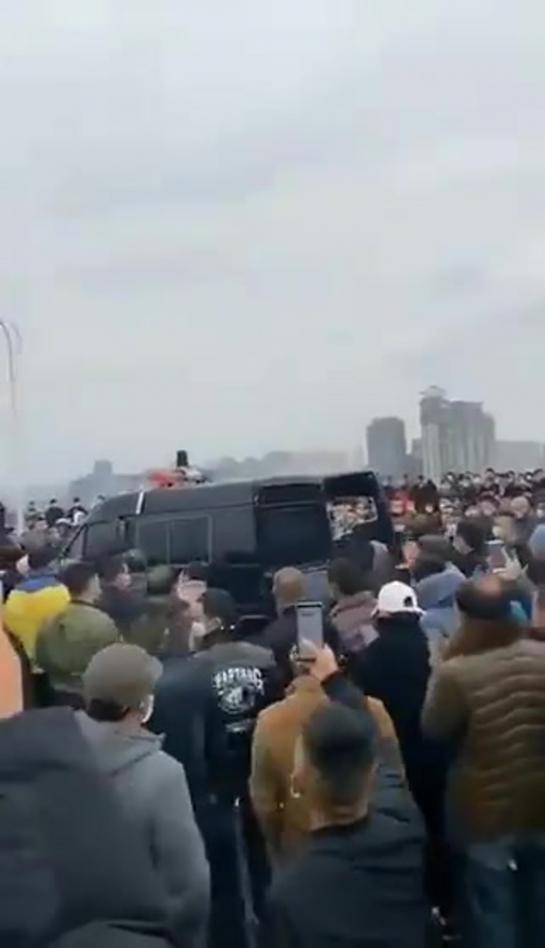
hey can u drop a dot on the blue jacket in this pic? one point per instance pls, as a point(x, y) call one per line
point(437, 596)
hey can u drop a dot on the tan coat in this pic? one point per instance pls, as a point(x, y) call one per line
point(494, 703)
point(284, 818)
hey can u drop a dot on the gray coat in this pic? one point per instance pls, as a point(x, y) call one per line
point(153, 790)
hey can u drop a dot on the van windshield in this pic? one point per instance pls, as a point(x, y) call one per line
point(288, 536)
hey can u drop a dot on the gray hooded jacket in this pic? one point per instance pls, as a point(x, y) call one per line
point(153, 791)
point(437, 596)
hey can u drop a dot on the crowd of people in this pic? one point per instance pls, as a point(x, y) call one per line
point(179, 777)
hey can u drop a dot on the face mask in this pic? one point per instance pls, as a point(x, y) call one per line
point(149, 709)
point(212, 625)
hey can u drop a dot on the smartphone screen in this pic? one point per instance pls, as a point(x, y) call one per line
point(497, 557)
point(310, 624)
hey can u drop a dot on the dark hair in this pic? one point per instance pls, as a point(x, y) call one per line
point(347, 576)
point(105, 710)
point(219, 604)
point(489, 498)
point(436, 546)
point(197, 571)
point(474, 534)
point(161, 580)
point(428, 565)
point(422, 525)
point(136, 561)
point(42, 557)
point(77, 576)
point(9, 556)
point(340, 744)
point(110, 567)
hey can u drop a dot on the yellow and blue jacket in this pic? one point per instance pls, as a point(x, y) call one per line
point(40, 597)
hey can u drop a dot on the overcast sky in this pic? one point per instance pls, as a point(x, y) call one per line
point(243, 225)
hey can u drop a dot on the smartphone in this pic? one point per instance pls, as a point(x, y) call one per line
point(310, 624)
point(497, 555)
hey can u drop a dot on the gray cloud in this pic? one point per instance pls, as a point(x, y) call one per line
point(242, 226)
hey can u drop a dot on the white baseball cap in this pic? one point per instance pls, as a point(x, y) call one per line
point(397, 597)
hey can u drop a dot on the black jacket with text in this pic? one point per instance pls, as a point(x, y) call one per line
point(206, 706)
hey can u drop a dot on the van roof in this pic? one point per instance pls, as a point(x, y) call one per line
point(222, 494)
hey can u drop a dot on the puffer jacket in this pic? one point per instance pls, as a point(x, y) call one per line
point(493, 704)
point(37, 599)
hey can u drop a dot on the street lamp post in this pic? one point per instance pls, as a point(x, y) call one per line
point(12, 338)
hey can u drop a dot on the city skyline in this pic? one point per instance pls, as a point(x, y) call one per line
point(391, 441)
point(455, 434)
point(530, 453)
point(262, 226)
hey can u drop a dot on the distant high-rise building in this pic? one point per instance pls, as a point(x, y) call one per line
point(434, 425)
point(471, 437)
point(387, 446)
point(456, 436)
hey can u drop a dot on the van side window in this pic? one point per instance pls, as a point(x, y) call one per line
point(102, 538)
point(189, 540)
point(151, 538)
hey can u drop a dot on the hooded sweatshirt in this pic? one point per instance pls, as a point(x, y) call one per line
point(437, 596)
point(153, 790)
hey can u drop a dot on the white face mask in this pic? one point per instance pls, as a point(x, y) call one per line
point(149, 710)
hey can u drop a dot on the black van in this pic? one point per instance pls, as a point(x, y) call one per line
point(243, 530)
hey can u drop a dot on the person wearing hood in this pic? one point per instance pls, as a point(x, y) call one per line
point(118, 688)
point(436, 585)
point(74, 872)
point(352, 613)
